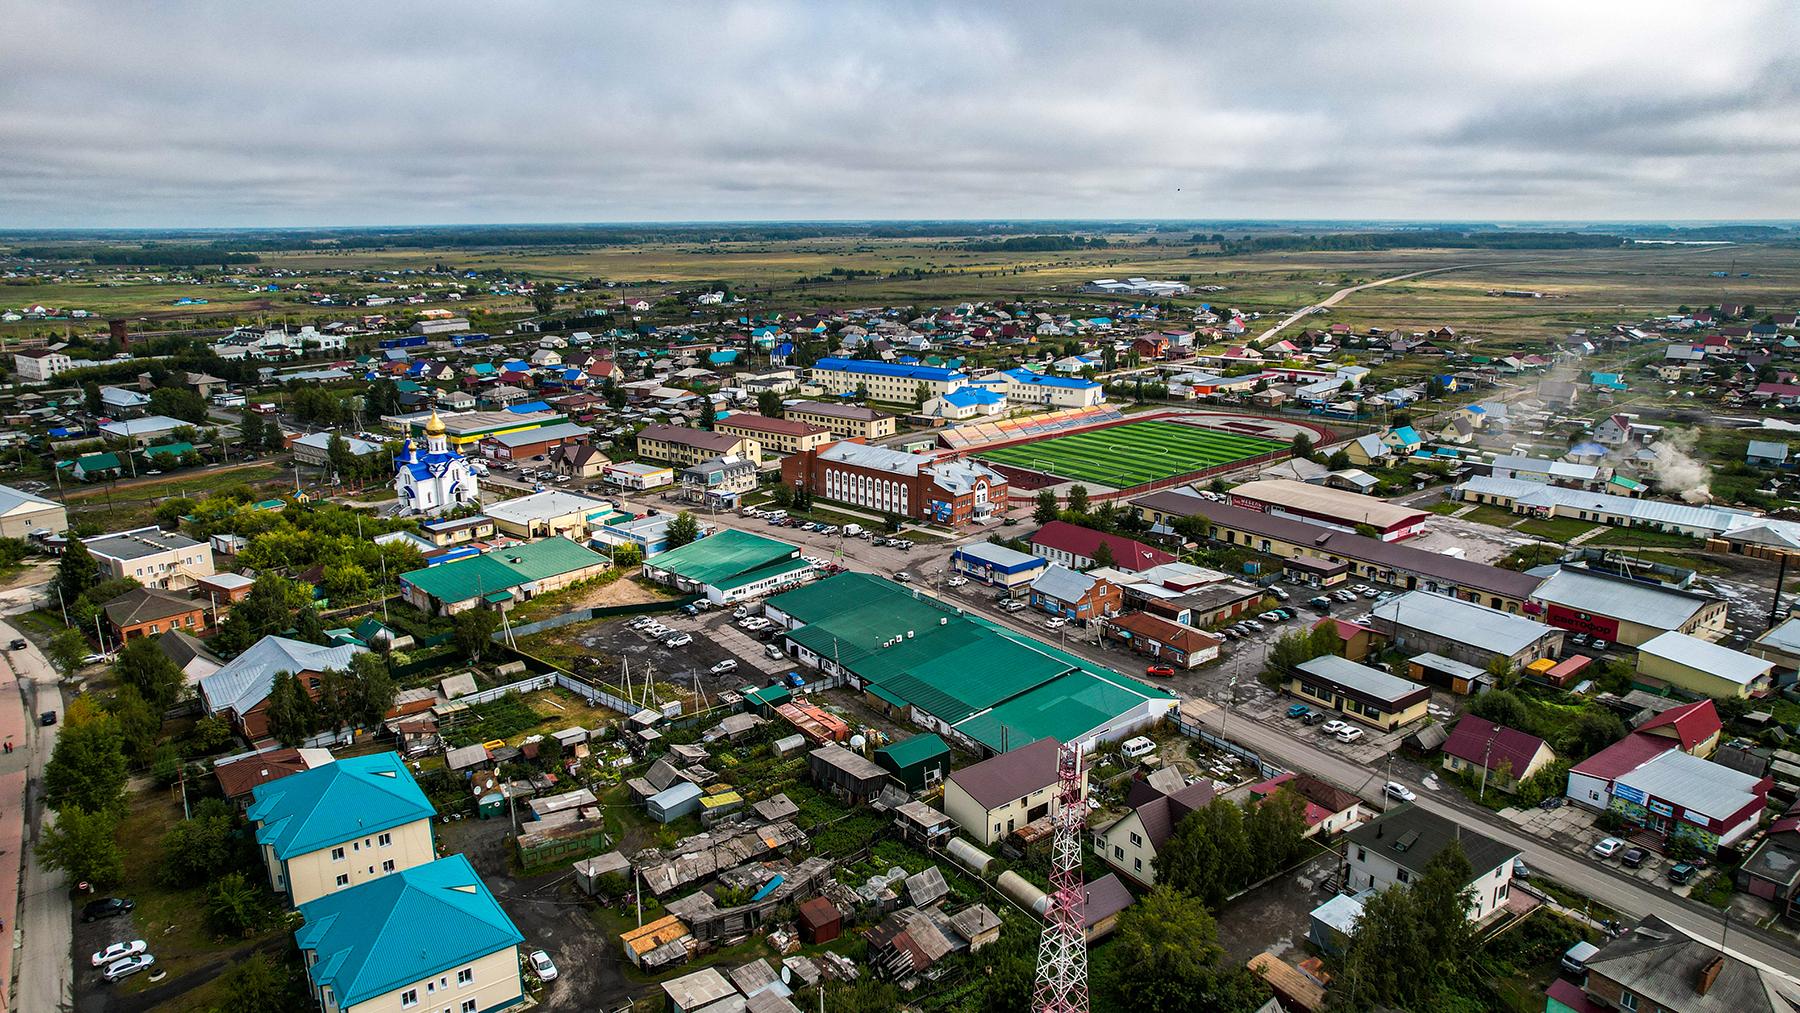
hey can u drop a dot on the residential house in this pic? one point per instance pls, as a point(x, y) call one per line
point(1130, 843)
point(240, 689)
point(718, 482)
point(240, 776)
point(23, 514)
point(1499, 756)
point(1654, 966)
point(1061, 591)
point(340, 825)
point(1326, 808)
point(147, 612)
point(1395, 848)
point(681, 446)
point(1002, 793)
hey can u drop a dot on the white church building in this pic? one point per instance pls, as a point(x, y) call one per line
point(437, 480)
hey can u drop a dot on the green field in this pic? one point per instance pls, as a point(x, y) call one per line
point(1133, 453)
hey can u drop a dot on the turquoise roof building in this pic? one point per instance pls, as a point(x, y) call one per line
point(340, 801)
point(430, 937)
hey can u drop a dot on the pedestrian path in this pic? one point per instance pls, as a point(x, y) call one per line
point(14, 773)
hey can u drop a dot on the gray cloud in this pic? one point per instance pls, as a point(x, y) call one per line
point(337, 113)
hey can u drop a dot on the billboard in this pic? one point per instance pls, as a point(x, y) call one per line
point(1604, 627)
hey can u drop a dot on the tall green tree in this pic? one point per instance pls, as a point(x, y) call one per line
point(143, 666)
point(87, 769)
point(709, 415)
point(292, 714)
point(1078, 498)
point(683, 529)
point(250, 431)
point(1046, 509)
point(472, 631)
point(1208, 855)
point(234, 906)
point(81, 844)
point(268, 986)
point(67, 648)
point(1413, 947)
point(769, 403)
point(196, 849)
point(273, 605)
point(1277, 828)
point(1103, 554)
point(1167, 957)
point(1303, 446)
point(372, 690)
point(76, 573)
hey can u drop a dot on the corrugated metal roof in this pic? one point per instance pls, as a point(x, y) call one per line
point(1462, 622)
point(1692, 783)
point(1631, 600)
point(1707, 657)
point(1360, 678)
point(722, 555)
point(353, 797)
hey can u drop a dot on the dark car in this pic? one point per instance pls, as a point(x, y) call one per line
point(1634, 858)
point(1681, 872)
point(47, 718)
point(18, 644)
point(105, 907)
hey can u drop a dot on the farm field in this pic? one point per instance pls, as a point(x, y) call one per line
point(1132, 454)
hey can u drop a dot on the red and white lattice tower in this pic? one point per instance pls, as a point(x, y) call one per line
point(1062, 985)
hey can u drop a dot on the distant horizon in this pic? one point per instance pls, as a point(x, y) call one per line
point(1074, 222)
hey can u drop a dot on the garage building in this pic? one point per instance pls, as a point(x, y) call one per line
point(1626, 611)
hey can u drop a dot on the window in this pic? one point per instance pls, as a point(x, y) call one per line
point(468, 1006)
point(466, 976)
point(387, 866)
point(409, 998)
point(385, 840)
point(1403, 876)
point(343, 880)
point(1118, 852)
point(337, 854)
point(1137, 841)
point(1138, 864)
point(1627, 1000)
point(1362, 855)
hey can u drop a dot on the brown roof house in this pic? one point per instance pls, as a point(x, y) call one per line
point(1002, 793)
point(147, 612)
point(1129, 844)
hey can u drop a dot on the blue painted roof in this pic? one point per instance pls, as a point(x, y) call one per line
point(969, 397)
point(351, 797)
point(406, 926)
point(1040, 380)
point(1406, 434)
point(785, 348)
point(887, 369)
point(723, 357)
point(529, 406)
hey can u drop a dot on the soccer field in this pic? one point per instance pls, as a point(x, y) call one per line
point(1132, 454)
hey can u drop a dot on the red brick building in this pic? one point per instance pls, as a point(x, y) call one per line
point(940, 490)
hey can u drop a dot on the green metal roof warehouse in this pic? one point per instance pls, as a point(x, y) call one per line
point(959, 674)
point(501, 575)
point(730, 565)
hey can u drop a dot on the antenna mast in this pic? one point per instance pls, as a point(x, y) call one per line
point(1062, 981)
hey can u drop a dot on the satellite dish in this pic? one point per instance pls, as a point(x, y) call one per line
point(787, 975)
point(857, 742)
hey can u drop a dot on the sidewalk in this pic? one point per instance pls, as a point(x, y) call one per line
point(14, 773)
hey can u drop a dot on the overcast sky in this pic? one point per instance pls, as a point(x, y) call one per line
point(321, 113)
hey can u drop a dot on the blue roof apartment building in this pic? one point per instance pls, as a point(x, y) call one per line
point(886, 381)
point(429, 938)
point(997, 565)
point(337, 826)
point(1023, 387)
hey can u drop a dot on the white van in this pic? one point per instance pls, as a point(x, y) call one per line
point(1138, 747)
point(852, 530)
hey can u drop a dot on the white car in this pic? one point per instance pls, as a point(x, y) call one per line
point(1055, 624)
point(1362, 589)
point(679, 640)
point(128, 967)
point(119, 951)
point(1349, 733)
point(1333, 727)
point(957, 581)
point(903, 577)
point(728, 665)
point(1396, 790)
point(542, 965)
point(1608, 847)
point(1343, 596)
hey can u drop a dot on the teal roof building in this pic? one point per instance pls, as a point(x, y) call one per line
point(431, 937)
point(342, 800)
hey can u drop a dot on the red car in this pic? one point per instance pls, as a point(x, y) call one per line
point(1158, 670)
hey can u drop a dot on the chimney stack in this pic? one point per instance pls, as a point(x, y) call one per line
point(1709, 974)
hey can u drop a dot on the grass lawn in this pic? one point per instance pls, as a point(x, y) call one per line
point(1487, 513)
point(1643, 538)
point(171, 918)
point(134, 505)
point(1134, 453)
point(1558, 529)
